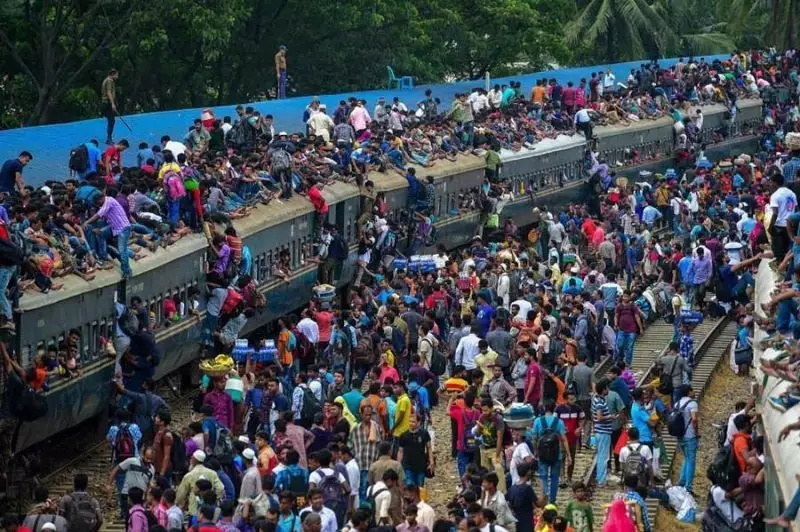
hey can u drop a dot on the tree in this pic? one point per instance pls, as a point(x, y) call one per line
point(624, 29)
point(54, 42)
point(777, 22)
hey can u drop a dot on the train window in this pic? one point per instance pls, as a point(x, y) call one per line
point(294, 257)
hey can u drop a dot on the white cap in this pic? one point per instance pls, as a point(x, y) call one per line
point(283, 134)
point(248, 454)
point(244, 438)
point(199, 455)
point(48, 526)
point(574, 269)
point(46, 190)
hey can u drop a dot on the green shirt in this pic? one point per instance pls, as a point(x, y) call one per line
point(493, 160)
point(579, 516)
point(457, 111)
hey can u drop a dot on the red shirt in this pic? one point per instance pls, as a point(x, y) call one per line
point(113, 155)
point(534, 372)
point(571, 415)
point(460, 414)
point(324, 319)
point(319, 203)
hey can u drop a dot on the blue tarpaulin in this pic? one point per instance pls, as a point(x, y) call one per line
point(50, 145)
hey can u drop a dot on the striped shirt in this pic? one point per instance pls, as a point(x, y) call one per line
point(600, 408)
point(114, 215)
point(365, 451)
point(790, 170)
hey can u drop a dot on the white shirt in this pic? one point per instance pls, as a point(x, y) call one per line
point(496, 528)
point(226, 127)
point(608, 80)
point(729, 508)
point(310, 329)
point(382, 500)
point(676, 205)
point(175, 147)
point(521, 452)
point(732, 430)
point(426, 515)
point(785, 201)
point(318, 474)
point(582, 117)
point(329, 523)
point(467, 350)
point(316, 387)
point(645, 451)
point(524, 307)
point(354, 476)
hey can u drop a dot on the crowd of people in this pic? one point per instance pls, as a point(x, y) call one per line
point(328, 424)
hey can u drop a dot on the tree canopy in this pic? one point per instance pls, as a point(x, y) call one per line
point(210, 52)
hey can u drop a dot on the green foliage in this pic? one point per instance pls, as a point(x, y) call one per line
point(182, 53)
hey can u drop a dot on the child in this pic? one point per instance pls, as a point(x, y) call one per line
point(579, 512)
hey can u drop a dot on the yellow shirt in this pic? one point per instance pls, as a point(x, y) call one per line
point(402, 414)
point(484, 361)
point(167, 167)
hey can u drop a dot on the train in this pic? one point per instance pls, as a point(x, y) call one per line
point(550, 174)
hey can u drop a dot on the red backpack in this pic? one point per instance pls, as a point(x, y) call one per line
point(232, 301)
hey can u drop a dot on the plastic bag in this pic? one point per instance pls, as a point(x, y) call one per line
point(683, 503)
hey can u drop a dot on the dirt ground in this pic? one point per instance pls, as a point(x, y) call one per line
point(724, 390)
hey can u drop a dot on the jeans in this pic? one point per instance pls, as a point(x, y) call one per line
point(122, 247)
point(6, 272)
point(414, 478)
point(282, 85)
point(174, 211)
point(787, 315)
point(689, 449)
point(625, 343)
point(123, 499)
point(603, 453)
point(362, 487)
point(791, 510)
point(549, 474)
point(463, 459)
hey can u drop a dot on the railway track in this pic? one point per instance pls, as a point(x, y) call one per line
point(95, 462)
point(712, 339)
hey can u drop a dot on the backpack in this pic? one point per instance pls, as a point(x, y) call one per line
point(665, 385)
point(124, 446)
point(79, 159)
point(676, 426)
point(549, 442)
point(368, 504)
point(174, 185)
point(636, 466)
point(311, 405)
point(724, 470)
point(438, 363)
point(333, 495)
point(471, 443)
point(82, 515)
point(422, 191)
point(298, 487)
point(281, 161)
point(224, 442)
point(440, 306)
point(151, 519)
point(177, 456)
point(232, 301)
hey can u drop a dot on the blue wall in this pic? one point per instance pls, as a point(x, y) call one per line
point(50, 145)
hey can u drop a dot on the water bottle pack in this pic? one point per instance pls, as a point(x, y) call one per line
point(240, 351)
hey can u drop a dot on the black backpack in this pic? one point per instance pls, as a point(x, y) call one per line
point(676, 425)
point(311, 405)
point(368, 504)
point(82, 514)
point(665, 386)
point(549, 442)
point(177, 456)
point(79, 159)
point(724, 470)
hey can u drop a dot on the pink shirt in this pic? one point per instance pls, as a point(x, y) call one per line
point(114, 215)
point(388, 372)
point(323, 320)
point(222, 404)
point(359, 118)
point(598, 237)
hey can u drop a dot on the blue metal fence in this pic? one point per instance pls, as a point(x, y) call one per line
point(51, 144)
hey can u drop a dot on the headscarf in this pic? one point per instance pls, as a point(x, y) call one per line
point(618, 519)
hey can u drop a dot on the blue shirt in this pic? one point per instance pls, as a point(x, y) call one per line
point(290, 523)
point(650, 215)
point(8, 175)
point(621, 387)
point(133, 429)
point(640, 418)
point(485, 315)
point(143, 155)
point(685, 267)
point(95, 156)
point(87, 193)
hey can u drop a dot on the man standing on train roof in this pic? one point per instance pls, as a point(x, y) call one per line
point(108, 98)
point(280, 70)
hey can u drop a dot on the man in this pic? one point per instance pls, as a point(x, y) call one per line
point(118, 226)
point(673, 367)
point(687, 405)
point(197, 469)
point(426, 516)
point(137, 518)
point(329, 522)
point(162, 445)
point(498, 388)
point(641, 420)
point(403, 411)
point(280, 70)
point(782, 202)
point(550, 447)
point(628, 318)
point(702, 268)
point(364, 442)
point(583, 123)
point(489, 429)
point(11, 173)
point(494, 501)
point(139, 472)
point(381, 494)
point(468, 349)
point(385, 464)
point(572, 416)
point(45, 512)
point(582, 376)
point(641, 469)
point(415, 452)
point(108, 99)
point(80, 509)
point(602, 429)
